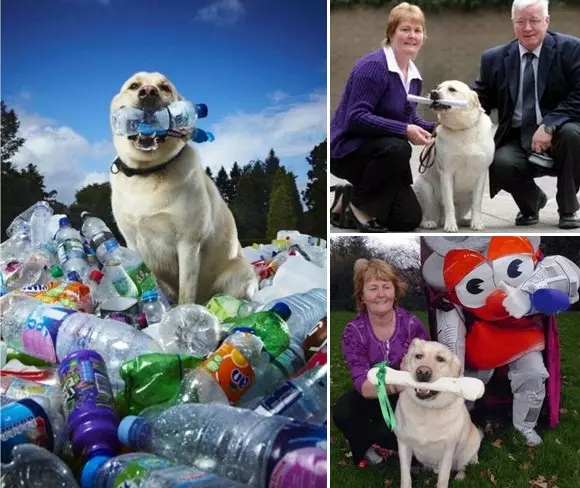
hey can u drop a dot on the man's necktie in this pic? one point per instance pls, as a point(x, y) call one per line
point(529, 122)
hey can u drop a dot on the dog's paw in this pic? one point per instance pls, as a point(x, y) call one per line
point(428, 224)
point(477, 223)
point(451, 226)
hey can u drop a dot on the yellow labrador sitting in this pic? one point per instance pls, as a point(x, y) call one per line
point(434, 426)
point(174, 215)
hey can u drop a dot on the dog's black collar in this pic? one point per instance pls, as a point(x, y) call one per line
point(120, 166)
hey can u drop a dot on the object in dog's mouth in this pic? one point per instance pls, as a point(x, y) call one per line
point(147, 128)
point(441, 104)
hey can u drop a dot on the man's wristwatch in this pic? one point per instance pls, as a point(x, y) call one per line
point(549, 129)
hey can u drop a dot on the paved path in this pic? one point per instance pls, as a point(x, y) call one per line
point(499, 213)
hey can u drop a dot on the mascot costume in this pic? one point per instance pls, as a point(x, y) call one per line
point(492, 302)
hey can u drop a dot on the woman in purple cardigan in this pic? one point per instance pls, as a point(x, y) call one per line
point(382, 331)
point(373, 128)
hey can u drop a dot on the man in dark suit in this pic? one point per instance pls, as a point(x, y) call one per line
point(534, 83)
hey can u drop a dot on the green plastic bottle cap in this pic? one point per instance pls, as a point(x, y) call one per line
point(56, 271)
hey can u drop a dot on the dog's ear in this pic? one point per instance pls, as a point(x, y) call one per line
point(455, 366)
point(474, 99)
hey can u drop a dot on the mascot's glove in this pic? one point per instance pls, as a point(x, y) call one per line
point(517, 302)
point(545, 300)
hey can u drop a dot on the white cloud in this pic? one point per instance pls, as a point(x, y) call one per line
point(59, 152)
point(292, 130)
point(277, 96)
point(222, 12)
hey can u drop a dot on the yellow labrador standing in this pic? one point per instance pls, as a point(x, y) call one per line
point(434, 426)
point(174, 215)
point(464, 149)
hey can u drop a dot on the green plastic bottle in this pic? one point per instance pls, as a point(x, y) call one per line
point(269, 325)
point(151, 379)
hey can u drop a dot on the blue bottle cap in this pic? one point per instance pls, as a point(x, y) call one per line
point(90, 470)
point(282, 310)
point(125, 427)
point(73, 276)
point(64, 222)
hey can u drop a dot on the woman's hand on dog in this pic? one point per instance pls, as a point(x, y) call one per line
point(417, 135)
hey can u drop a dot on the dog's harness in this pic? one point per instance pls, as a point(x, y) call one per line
point(120, 166)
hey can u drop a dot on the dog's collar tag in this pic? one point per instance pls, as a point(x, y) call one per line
point(386, 408)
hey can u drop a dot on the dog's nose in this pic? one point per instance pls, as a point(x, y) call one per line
point(423, 373)
point(434, 95)
point(148, 92)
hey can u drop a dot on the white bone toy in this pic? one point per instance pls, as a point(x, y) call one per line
point(468, 388)
point(429, 101)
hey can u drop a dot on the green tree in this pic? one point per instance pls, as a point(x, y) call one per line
point(9, 134)
point(295, 195)
point(208, 172)
point(245, 209)
point(235, 174)
point(224, 185)
point(282, 212)
point(315, 193)
point(271, 166)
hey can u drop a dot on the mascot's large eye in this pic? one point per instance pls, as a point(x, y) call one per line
point(514, 269)
point(475, 287)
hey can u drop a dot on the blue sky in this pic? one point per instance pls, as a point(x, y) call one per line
point(259, 65)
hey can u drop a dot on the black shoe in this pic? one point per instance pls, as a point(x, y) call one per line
point(371, 227)
point(569, 221)
point(522, 219)
point(342, 219)
point(335, 216)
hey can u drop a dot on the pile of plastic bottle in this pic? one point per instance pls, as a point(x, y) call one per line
point(104, 383)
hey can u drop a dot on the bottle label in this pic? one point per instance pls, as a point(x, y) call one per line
point(184, 476)
point(110, 243)
point(143, 279)
point(136, 471)
point(298, 457)
point(70, 249)
point(230, 368)
point(284, 397)
point(303, 467)
point(289, 362)
point(40, 330)
point(319, 358)
point(24, 422)
point(20, 389)
point(84, 382)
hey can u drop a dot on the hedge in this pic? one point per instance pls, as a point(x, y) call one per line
point(434, 4)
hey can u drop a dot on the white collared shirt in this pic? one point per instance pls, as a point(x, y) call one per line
point(517, 118)
point(412, 71)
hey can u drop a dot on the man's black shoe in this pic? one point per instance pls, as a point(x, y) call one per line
point(522, 219)
point(569, 221)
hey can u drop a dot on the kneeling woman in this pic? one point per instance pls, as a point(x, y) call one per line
point(382, 331)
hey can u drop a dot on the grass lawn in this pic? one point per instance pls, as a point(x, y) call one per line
point(504, 460)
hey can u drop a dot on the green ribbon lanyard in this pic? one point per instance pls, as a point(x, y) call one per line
point(386, 408)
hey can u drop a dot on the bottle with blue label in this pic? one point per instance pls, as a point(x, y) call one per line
point(141, 470)
point(70, 249)
point(302, 398)
point(264, 452)
point(108, 250)
point(31, 420)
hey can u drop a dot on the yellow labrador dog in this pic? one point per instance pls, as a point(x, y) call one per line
point(464, 147)
point(170, 211)
point(434, 426)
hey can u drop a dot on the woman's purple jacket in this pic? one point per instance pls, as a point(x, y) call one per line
point(363, 350)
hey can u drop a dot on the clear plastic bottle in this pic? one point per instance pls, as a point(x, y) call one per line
point(228, 308)
point(32, 420)
point(116, 278)
point(51, 333)
point(190, 329)
point(140, 470)
point(241, 445)
point(152, 307)
point(35, 467)
point(107, 248)
point(226, 374)
point(302, 398)
point(71, 253)
point(307, 309)
point(17, 388)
